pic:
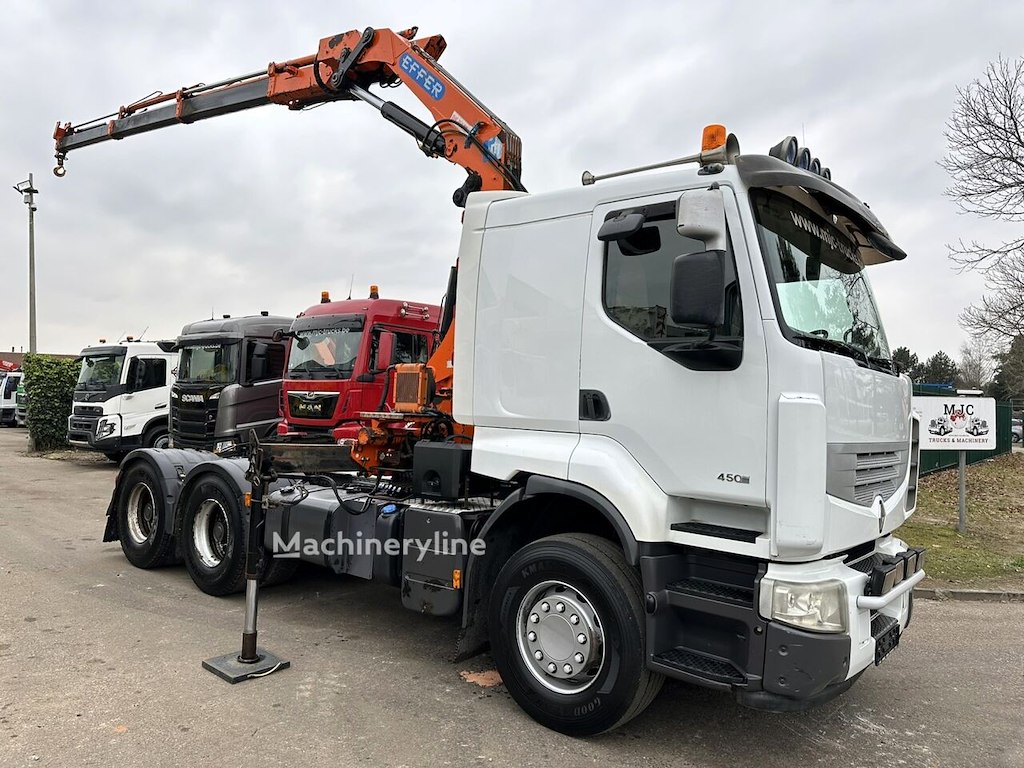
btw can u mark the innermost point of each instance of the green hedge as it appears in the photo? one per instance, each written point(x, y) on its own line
point(49, 385)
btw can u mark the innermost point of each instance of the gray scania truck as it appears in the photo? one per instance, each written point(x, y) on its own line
point(228, 381)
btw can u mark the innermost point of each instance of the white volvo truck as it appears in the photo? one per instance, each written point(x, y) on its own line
point(121, 398)
point(685, 449)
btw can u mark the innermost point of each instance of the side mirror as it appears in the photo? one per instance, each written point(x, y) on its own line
point(623, 225)
point(385, 352)
point(697, 289)
point(701, 216)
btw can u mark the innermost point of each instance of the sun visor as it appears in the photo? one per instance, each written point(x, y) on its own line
point(873, 241)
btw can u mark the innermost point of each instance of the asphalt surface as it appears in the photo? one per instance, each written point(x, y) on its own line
point(100, 665)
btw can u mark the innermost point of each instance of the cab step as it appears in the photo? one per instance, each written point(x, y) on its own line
point(700, 665)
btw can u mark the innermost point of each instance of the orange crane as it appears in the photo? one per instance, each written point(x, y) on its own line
point(345, 66)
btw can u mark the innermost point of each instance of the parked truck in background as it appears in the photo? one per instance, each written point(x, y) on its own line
point(340, 357)
point(121, 398)
point(21, 404)
point(228, 381)
point(9, 382)
point(664, 439)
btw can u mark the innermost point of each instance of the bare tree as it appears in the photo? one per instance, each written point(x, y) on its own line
point(985, 157)
point(999, 315)
point(976, 366)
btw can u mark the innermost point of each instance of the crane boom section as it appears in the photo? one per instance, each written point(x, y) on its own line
point(464, 131)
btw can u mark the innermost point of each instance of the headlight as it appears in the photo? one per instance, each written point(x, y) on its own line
point(105, 428)
point(818, 606)
point(223, 445)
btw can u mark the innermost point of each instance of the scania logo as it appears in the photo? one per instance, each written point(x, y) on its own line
point(191, 398)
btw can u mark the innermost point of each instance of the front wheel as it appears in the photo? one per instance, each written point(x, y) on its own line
point(156, 437)
point(566, 623)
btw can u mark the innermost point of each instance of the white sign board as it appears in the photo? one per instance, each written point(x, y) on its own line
point(957, 423)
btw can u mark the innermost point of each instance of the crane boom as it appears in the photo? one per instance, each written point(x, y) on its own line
point(464, 131)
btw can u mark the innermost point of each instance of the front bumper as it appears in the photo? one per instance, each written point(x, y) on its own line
point(704, 626)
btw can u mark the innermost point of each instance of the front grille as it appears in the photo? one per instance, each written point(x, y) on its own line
point(87, 410)
point(859, 472)
point(316, 406)
point(80, 424)
point(877, 474)
point(193, 427)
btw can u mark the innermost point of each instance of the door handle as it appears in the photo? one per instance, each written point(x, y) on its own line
point(160, 405)
point(594, 406)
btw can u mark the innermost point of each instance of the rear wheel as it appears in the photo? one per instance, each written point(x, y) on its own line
point(142, 526)
point(213, 537)
point(566, 623)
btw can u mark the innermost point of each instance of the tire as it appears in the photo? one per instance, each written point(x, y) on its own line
point(156, 437)
point(590, 577)
point(141, 522)
point(213, 537)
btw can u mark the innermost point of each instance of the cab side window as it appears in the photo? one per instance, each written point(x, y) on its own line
point(637, 276)
point(148, 373)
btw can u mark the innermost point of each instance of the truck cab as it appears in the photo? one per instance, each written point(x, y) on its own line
point(940, 425)
point(8, 397)
point(339, 357)
point(120, 400)
point(228, 381)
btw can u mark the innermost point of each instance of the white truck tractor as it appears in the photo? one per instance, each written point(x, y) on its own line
point(122, 395)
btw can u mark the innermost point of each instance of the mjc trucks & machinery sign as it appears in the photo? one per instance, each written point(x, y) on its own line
point(957, 423)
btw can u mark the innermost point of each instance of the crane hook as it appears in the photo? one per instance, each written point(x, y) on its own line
point(59, 170)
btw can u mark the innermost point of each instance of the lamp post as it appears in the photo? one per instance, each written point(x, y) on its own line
point(28, 193)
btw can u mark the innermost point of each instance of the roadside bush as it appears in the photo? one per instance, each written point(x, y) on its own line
point(49, 385)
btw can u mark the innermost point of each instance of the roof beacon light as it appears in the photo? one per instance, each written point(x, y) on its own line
point(374, 292)
point(717, 146)
point(325, 297)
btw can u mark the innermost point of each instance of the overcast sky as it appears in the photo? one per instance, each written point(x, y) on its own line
point(266, 208)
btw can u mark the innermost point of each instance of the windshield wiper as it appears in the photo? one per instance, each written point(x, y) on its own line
point(835, 345)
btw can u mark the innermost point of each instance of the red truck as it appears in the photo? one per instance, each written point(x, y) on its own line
point(339, 358)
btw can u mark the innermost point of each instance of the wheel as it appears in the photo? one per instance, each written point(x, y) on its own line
point(566, 623)
point(156, 437)
point(213, 537)
point(142, 526)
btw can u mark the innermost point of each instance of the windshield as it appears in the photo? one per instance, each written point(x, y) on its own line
point(323, 353)
point(818, 277)
point(213, 364)
point(100, 371)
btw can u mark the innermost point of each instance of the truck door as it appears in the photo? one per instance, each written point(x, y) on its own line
point(696, 426)
point(148, 391)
